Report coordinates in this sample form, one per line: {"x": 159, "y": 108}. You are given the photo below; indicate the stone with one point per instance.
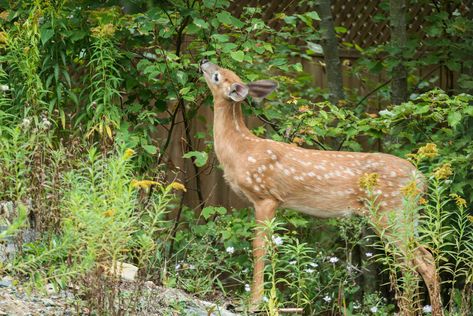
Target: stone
{"x": 125, "y": 271}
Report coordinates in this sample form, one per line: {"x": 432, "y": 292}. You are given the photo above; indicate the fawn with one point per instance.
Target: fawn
{"x": 319, "y": 183}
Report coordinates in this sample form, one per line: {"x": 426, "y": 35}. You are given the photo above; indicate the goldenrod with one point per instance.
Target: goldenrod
{"x": 128, "y": 153}
{"x": 443, "y": 172}
{"x": 459, "y": 201}
{"x": 143, "y": 184}
{"x": 368, "y": 181}
{"x": 410, "y": 189}
{"x": 429, "y": 150}
{"x": 178, "y": 186}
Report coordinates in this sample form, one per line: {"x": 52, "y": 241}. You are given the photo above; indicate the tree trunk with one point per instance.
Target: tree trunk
{"x": 468, "y": 70}
{"x": 331, "y": 55}
{"x": 398, "y": 40}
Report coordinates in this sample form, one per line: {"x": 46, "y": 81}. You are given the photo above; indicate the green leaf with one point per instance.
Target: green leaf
{"x": 313, "y": 15}
{"x": 201, "y": 23}
{"x": 150, "y": 149}
{"x": 208, "y": 211}
{"x": 226, "y": 18}
{"x": 201, "y": 157}
{"x": 238, "y": 55}
{"x": 46, "y": 35}
{"x": 454, "y": 118}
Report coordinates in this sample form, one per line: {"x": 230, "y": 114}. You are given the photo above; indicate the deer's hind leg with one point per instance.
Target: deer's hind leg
{"x": 425, "y": 265}
{"x": 398, "y": 233}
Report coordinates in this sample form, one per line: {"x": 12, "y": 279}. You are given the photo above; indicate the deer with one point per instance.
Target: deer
{"x": 319, "y": 183}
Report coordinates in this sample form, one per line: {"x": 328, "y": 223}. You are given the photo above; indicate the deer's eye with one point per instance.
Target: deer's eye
{"x": 216, "y": 77}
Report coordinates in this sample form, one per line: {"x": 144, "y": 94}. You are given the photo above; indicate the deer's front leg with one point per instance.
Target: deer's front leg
{"x": 265, "y": 210}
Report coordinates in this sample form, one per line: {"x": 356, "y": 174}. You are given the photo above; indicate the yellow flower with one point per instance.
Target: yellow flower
{"x": 178, "y": 186}
{"x": 459, "y": 201}
{"x": 368, "y": 181}
{"x": 143, "y": 184}
{"x": 443, "y": 172}
{"x": 293, "y": 100}
{"x": 304, "y": 108}
{"x": 429, "y": 150}
{"x": 128, "y": 153}
{"x": 410, "y": 189}
{"x": 470, "y": 217}
{"x": 297, "y": 140}
{"x": 109, "y": 213}
{"x": 4, "y": 15}
{"x": 422, "y": 201}
{"x": 106, "y": 30}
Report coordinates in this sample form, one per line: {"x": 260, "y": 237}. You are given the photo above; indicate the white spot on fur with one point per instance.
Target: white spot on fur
{"x": 392, "y": 174}
{"x": 311, "y": 174}
{"x": 256, "y": 188}
{"x": 287, "y": 172}
{"x": 271, "y": 167}
{"x": 251, "y": 159}
{"x": 258, "y": 179}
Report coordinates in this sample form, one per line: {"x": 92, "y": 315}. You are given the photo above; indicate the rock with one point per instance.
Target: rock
{"x": 6, "y": 281}
{"x": 126, "y": 271}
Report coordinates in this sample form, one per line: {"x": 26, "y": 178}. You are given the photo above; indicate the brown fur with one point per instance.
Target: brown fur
{"x": 320, "y": 183}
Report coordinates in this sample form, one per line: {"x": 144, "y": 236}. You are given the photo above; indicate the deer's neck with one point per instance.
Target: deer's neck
{"x": 230, "y": 131}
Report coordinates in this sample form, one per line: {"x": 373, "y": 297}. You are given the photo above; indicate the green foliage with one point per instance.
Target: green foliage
{"x": 80, "y": 79}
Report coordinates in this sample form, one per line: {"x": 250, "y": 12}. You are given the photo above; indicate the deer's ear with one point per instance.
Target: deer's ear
{"x": 238, "y": 92}
{"x": 261, "y": 88}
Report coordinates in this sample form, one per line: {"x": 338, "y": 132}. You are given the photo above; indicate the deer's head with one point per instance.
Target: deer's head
{"x": 225, "y": 84}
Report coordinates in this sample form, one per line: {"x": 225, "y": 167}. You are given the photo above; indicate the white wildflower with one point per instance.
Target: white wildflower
{"x": 356, "y": 306}
{"x": 313, "y": 264}
{"x": 178, "y": 266}
{"x": 265, "y": 299}
{"x": 25, "y": 124}
{"x": 327, "y": 298}
{"x": 247, "y": 287}
{"x": 374, "y": 309}
{"x": 427, "y": 309}
{"x": 309, "y": 270}
{"x": 277, "y": 240}
{"x": 333, "y": 259}
{"x": 230, "y": 250}
{"x": 245, "y": 270}
{"x": 293, "y": 262}
{"x": 46, "y": 124}
{"x": 4, "y": 87}
{"x": 369, "y": 254}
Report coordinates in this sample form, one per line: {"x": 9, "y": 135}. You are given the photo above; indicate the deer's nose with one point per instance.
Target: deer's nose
{"x": 204, "y": 61}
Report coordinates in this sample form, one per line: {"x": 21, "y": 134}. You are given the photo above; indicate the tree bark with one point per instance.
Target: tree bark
{"x": 468, "y": 70}
{"x": 331, "y": 55}
{"x": 398, "y": 40}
